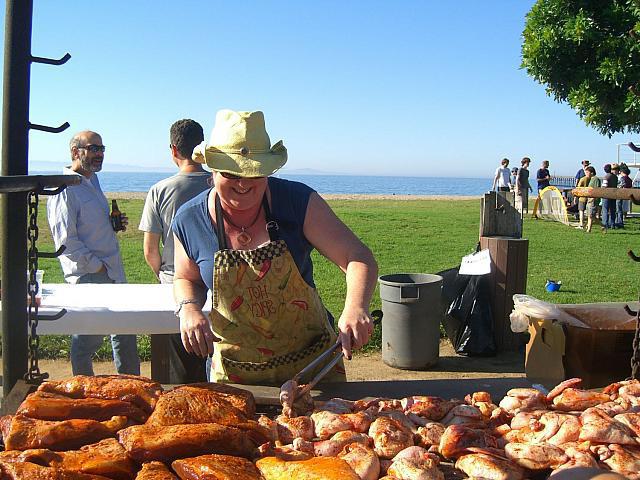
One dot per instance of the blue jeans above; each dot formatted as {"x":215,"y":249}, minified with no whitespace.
{"x":608,"y":212}
{"x":83,"y":347}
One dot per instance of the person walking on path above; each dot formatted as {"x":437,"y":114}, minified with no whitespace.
{"x":523,"y":187}
{"x":542,"y":176}
{"x":610,"y":180}
{"x":79,"y":219}
{"x":502,"y":178}
{"x":163,"y":200}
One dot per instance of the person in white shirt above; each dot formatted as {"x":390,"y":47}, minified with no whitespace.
{"x":79,"y":220}
{"x":502,"y":178}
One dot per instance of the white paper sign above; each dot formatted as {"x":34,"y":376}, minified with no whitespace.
{"x":478,"y":263}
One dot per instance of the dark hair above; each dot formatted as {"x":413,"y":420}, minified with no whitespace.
{"x":590,"y":169}
{"x":185,"y":135}
{"x":525,"y":160}
{"x":607,"y":168}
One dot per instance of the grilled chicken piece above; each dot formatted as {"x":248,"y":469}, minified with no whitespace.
{"x":555,"y":428}
{"x":327,"y":423}
{"x":333,"y":446}
{"x":562,"y":386}
{"x":389,"y":437}
{"x":362,"y":460}
{"x":573,"y":399}
{"x":216,"y":467}
{"x":31,"y":471}
{"x":631,"y":420}
{"x":579,"y":456}
{"x":464,"y":415}
{"x":242,"y":399}
{"x":106,"y":458}
{"x":457,"y":439}
{"x":297,"y":427}
{"x":430,"y":434}
{"x":621,"y":459}
{"x":145,"y":442}
{"x":523,"y":419}
{"x":52,"y":406}
{"x":598,"y":427}
{"x":536,"y":456}
{"x":629,"y":387}
{"x":155,"y":471}
{"x":432,"y":408}
{"x":339,"y":405}
{"x":490,"y":467}
{"x":415,"y":463}
{"x":296,"y":400}
{"x":523,"y":399}
{"x":22,"y":433}
{"x":319,"y":468}
{"x":188,"y":404}
{"x":283,"y":452}
{"x":140,"y":391}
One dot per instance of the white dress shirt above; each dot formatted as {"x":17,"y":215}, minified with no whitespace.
{"x":79,"y":219}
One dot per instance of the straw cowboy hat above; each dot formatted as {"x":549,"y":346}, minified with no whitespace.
{"x":239,"y":144}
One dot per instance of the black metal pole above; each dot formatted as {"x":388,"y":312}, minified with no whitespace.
{"x":13,"y":206}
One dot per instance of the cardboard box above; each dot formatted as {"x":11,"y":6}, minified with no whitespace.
{"x":600,"y":354}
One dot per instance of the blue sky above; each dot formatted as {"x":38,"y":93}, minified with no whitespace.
{"x":420,"y":88}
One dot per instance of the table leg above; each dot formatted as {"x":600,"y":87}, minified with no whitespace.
{"x":160,"y":358}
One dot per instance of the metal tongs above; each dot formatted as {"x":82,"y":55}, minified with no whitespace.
{"x":295,"y":396}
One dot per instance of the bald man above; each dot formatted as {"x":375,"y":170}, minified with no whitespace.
{"x":79,"y":219}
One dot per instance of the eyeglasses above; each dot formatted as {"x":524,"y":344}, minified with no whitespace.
{"x":94,"y":148}
{"x":231,"y":176}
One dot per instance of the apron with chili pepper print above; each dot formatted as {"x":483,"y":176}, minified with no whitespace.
{"x":270,"y":321}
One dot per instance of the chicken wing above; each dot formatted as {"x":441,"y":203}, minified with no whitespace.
{"x":327,"y":423}
{"x":362,"y":460}
{"x":490,"y":467}
{"x":456,"y":440}
{"x":389,"y":436}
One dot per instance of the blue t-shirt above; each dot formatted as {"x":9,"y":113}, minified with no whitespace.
{"x":195,"y":230}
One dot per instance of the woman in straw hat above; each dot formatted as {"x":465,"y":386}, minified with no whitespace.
{"x":249,"y":240}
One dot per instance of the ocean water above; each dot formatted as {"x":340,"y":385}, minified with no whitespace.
{"x":338,"y":184}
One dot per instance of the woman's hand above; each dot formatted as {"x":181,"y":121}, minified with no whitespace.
{"x":195,"y":331}
{"x":355,"y":328}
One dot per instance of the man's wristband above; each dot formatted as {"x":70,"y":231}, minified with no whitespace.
{"x":181,"y":303}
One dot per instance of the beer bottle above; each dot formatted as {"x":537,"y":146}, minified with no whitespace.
{"x":116,"y":216}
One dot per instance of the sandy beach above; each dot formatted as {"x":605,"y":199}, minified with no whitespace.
{"x":326,"y":196}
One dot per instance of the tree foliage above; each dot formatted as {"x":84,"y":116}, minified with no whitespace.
{"x":587,"y":53}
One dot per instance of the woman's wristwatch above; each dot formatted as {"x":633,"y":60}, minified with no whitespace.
{"x":182,"y":303}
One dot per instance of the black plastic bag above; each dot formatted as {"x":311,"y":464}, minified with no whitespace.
{"x":468,"y":321}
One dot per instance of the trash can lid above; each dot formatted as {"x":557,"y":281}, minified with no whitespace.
{"x":401,"y":279}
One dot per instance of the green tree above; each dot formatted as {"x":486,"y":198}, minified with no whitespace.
{"x":587,"y":53}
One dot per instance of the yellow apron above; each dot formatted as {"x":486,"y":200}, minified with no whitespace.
{"x":270,"y":321}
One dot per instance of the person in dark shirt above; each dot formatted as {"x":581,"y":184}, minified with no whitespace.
{"x":542,"y":176}
{"x":610,"y":180}
{"x":622,"y":206}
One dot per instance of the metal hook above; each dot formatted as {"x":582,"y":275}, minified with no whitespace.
{"x":44,"y":128}
{"x":633,"y":147}
{"x":52,"y":61}
{"x":634,"y":199}
{"x":52,"y":192}
{"x":55,"y":316}
{"x":633,"y":256}
{"x":55,"y":254}
{"x":630,"y":312}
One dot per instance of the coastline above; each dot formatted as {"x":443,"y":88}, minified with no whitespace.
{"x":327,"y":196}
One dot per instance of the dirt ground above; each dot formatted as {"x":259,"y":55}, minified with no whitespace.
{"x":370,"y":367}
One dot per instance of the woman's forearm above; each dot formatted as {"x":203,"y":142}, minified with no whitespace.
{"x":361,"y":277}
{"x":184,"y":289}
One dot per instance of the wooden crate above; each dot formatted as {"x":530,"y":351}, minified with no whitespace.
{"x":509,"y":259}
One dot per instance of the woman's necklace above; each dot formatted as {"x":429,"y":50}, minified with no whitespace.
{"x":243,"y":237}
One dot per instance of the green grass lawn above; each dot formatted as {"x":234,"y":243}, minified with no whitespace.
{"x":424,"y":236}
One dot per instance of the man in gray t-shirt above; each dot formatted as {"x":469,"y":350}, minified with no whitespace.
{"x":163,"y":200}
